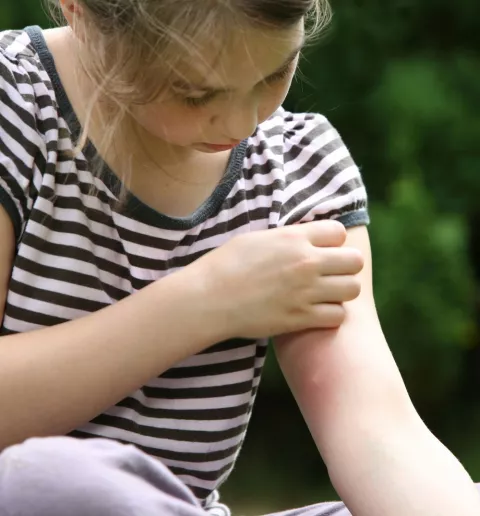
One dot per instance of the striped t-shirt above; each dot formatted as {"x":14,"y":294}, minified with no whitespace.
{"x":78,"y":251}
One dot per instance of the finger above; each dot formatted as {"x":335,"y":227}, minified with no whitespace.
{"x":325,"y":233}
{"x":339,"y":261}
{"x":335,"y":289}
{"x":327,"y":316}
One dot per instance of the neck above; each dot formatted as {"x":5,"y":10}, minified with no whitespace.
{"x":124,"y":145}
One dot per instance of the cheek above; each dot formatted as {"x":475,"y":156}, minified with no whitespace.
{"x":273,"y":99}
{"x":170,"y":123}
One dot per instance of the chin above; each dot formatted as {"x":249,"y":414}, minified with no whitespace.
{"x":206,"y":151}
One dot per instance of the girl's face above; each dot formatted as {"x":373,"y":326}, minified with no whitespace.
{"x":219,"y":102}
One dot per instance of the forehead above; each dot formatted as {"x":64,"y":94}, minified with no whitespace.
{"x":247,"y":55}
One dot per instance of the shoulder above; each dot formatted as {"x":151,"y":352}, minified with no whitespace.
{"x":27,"y":99}
{"x":19,"y":60}
{"x":16,"y":44}
{"x":21,"y":68}
{"x":312,"y":166}
{"x":302,"y":142}
{"x":286,"y":129}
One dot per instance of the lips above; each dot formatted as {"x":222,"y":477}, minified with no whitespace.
{"x":221,"y":147}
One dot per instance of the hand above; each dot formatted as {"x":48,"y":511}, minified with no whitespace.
{"x":279,"y":281}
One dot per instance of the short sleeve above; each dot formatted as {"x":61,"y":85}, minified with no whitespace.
{"x":20,"y":156}
{"x":322,"y":180}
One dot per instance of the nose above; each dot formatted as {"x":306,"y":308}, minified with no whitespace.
{"x":240,"y":119}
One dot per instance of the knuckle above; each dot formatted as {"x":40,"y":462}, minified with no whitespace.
{"x":332,"y":229}
{"x":301,"y":254}
{"x":294,"y":230}
{"x":307,"y":266}
{"x":306,"y":259}
{"x":332,"y":224}
{"x":289,"y":239}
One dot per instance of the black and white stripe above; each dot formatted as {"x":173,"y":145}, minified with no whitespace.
{"x":78,"y":251}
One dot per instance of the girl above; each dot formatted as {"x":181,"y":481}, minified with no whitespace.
{"x":152,"y":190}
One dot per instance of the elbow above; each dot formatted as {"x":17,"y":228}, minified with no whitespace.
{"x":347,"y":416}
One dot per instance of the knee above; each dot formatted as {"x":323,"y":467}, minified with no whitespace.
{"x":96,"y":477}
{"x":53,"y":477}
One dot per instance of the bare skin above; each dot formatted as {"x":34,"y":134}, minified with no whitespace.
{"x":56,"y":379}
{"x":342,"y":374}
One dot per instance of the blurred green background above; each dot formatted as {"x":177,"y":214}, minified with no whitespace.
{"x":399,"y":79}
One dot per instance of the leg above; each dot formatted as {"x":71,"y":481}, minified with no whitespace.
{"x":62,"y":476}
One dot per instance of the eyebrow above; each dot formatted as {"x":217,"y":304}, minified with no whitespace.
{"x":183,"y":85}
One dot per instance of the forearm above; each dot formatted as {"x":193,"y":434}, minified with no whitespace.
{"x":400,"y":471}
{"x":381,"y":458}
{"x":55,"y":379}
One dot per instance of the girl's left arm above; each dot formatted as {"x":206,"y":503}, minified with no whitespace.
{"x":382,"y":459}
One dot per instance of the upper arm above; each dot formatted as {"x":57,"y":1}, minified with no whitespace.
{"x":23,"y":144}
{"x":7,"y":248}
{"x":22,"y":149}
{"x":347,"y":375}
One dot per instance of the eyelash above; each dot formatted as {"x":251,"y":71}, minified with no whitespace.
{"x":197,"y":102}
{"x":282,"y":74}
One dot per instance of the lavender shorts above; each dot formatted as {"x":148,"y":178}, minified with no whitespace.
{"x":62,"y":476}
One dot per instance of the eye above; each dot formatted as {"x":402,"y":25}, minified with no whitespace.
{"x":199,"y":101}
{"x":281,"y":75}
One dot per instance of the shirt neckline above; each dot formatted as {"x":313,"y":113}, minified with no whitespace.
{"x":132,"y":206}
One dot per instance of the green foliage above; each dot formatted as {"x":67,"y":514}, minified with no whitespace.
{"x":430,"y":113}
{"x":400,"y":81}
{"x":18,"y":14}
{"x":423,"y":288}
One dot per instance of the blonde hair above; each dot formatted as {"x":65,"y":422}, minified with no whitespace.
{"x":123,"y":35}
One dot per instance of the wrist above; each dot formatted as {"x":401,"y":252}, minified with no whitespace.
{"x":196,"y":308}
